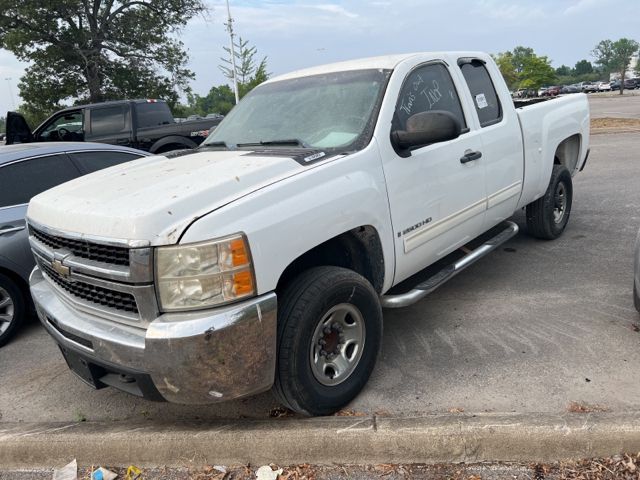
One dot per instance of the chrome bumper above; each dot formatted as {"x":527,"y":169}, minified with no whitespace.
{"x":192,"y":358}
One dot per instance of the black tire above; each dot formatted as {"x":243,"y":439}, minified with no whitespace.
{"x":547,"y":217}
{"x":8,"y":289}
{"x":636,"y":298}
{"x":304,"y":303}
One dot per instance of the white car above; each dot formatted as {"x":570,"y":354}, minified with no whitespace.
{"x":263,"y":258}
{"x":604,"y":86}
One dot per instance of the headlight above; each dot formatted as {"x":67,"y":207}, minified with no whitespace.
{"x":201,"y":275}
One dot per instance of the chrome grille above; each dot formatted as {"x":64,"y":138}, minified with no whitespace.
{"x":92,"y":293}
{"x":91,"y":251}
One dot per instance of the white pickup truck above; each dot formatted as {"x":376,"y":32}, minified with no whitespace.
{"x":263,"y":258}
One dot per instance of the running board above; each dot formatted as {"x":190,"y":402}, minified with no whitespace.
{"x":425,"y":288}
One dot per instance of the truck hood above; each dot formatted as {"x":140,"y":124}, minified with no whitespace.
{"x":154,"y":199}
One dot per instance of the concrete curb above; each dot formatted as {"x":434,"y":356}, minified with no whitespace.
{"x":348,"y":440}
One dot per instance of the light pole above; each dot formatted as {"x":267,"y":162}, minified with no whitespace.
{"x":233,"y":53}
{"x":13,"y":102}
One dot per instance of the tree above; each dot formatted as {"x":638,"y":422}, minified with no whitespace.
{"x":522,"y":68}
{"x":219,"y":100}
{"x":563,"y":71}
{"x":583,"y":67}
{"x":248,"y":74}
{"x":536,"y":72}
{"x":96,"y":50}
{"x":507,"y":68}
{"x":615,"y":56}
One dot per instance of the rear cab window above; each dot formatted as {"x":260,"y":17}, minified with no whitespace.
{"x":109,"y":120}
{"x":483,"y":92}
{"x":427,"y":88}
{"x":153,"y":114}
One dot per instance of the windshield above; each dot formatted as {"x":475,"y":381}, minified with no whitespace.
{"x":333,"y":110}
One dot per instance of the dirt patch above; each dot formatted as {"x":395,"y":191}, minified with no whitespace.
{"x":615,"y":125}
{"x":576,"y":407}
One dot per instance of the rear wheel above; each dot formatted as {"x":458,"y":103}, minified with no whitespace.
{"x":329,"y":336}
{"x":12,"y":309}
{"x":547,"y":217}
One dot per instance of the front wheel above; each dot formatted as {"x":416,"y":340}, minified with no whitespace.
{"x":12,"y":309}
{"x":547,"y":217}
{"x":329,"y":336}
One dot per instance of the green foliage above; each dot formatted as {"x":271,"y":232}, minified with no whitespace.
{"x":615,"y":56}
{"x":3,"y":125}
{"x":536,"y":72}
{"x":219,"y":100}
{"x":95,"y":50}
{"x":522,"y":68}
{"x":248,"y":74}
{"x":583,"y":67}
{"x":563,"y":71}
{"x":505,"y":64}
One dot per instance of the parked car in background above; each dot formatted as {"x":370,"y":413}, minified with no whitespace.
{"x":553,"y":91}
{"x":615,"y":85}
{"x":590,"y":87}
{"x":541,"y":91}
{"x":631,"y":83}
{"x":25,"y":171}
{"x":143,"y":124}
{"x":569,"y":89}
{"x":604,"y":86}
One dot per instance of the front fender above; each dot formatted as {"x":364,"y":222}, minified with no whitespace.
{"x":289,"y":218}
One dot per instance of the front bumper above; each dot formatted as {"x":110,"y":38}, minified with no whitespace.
{"x":191,"y":358}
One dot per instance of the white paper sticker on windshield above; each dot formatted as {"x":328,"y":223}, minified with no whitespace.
{"x":481,"y":101}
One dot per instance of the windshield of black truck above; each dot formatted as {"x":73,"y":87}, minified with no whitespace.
{"x":327,"y":111}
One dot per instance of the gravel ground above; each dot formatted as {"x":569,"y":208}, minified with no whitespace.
{"x":619,"y":467}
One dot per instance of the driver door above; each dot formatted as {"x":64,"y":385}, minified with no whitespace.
{"x":64,"y":127}
{"x":436,"y":192}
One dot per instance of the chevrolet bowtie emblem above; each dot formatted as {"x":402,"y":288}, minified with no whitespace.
{"x":60,"y":268}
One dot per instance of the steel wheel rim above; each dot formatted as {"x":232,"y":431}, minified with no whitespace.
{"x":7,"y":310}
{"x":337,"y":344}
{"x":559,"y":203}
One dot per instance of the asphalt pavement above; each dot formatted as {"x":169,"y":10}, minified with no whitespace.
{"x":615,"y":105}
{"x":531,"y":328}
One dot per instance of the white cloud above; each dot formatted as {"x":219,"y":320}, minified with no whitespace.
{"x":337,"y":9}
{"x":583,"y":5}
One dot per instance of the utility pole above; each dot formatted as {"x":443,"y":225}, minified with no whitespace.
{"x":229,"y":25}
{"x":13,"y":102}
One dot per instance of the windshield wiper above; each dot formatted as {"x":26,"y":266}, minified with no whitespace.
{"x":288,"y":141}
{"x":215,"y":144}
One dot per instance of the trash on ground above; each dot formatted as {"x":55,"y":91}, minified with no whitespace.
{"x":220,"y":468}
{"x":68,"y":472}
{"x":265,"y":473}
{"x":103,"y":474}
{"x":133,"y":473}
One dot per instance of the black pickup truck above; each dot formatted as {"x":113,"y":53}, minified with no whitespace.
{"x":143,"y":124}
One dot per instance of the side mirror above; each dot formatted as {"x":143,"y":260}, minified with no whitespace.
{"x":426,"y":128}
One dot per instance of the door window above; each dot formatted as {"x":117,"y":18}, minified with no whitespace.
{"x":485,"y":98}
{"x":108,"y":121}
{"x":21,"y":181}
{"x":66,"y":127}
{"x":89,"y":162}
{"x":427,"y":88}
{"x":153,"y":114}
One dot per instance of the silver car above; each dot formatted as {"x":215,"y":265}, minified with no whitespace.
{"x":25,"y":171}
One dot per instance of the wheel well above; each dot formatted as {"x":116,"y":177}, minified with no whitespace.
{"x":19,"y":281}
{"x":171,"y":146}
{"x":568,"y":152}
{"x":358,"y":249}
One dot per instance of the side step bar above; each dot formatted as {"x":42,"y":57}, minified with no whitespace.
{"x":425,"y":288}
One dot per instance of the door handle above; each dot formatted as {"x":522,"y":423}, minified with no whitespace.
{"x":470,"y":157}
{"x":10,"y":230}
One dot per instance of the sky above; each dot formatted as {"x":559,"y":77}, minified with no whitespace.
{"x":296,"y":34}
